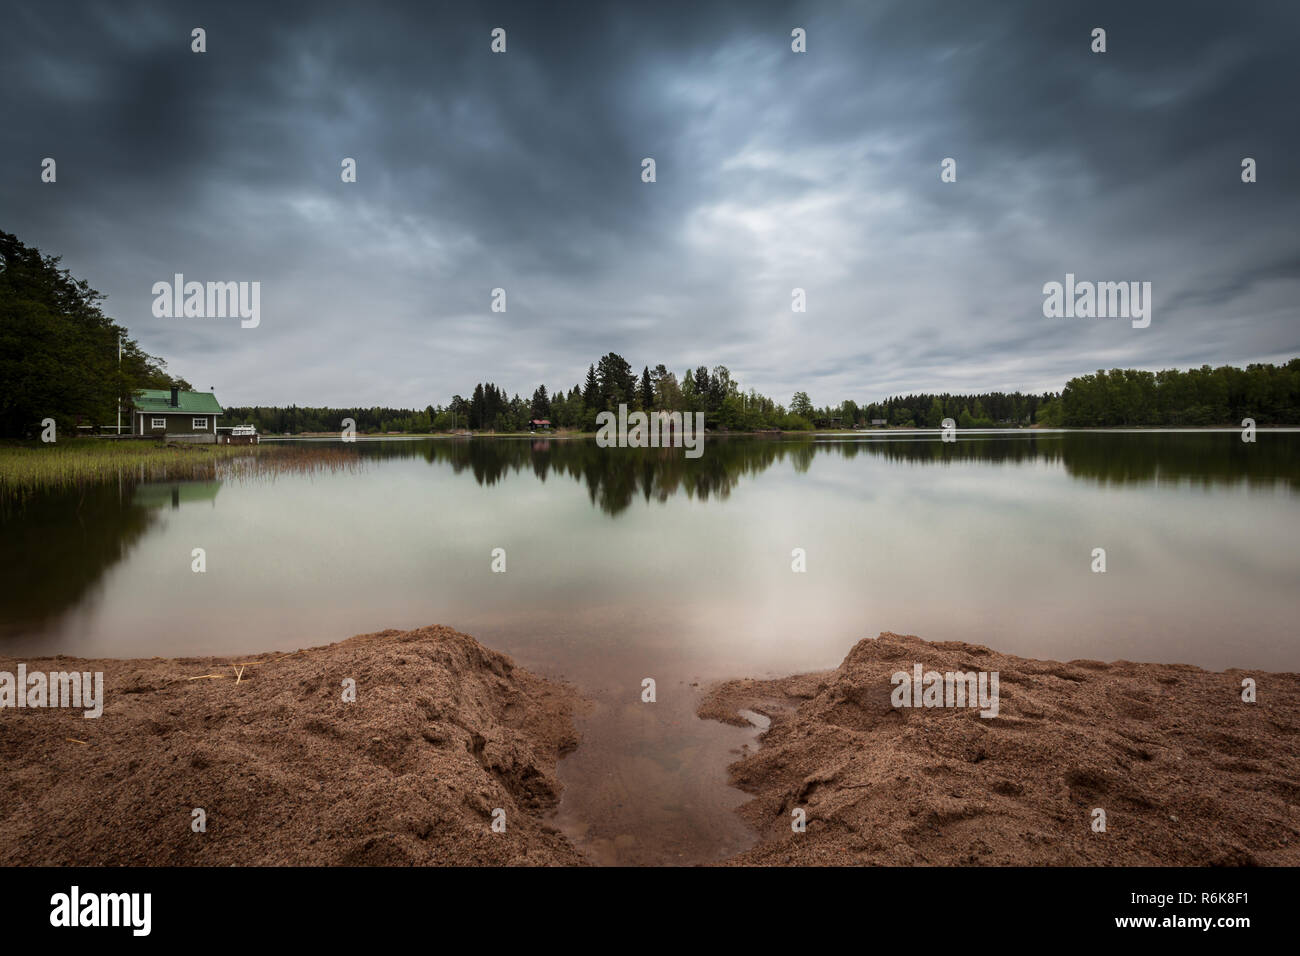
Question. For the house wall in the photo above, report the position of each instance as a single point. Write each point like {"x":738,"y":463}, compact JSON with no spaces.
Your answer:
{"x":178,"y":423}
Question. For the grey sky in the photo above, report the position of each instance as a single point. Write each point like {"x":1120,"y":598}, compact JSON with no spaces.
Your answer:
{"x":775,"y":170}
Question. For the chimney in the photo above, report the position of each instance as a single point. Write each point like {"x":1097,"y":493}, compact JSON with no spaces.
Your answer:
{"x":176,"y":396}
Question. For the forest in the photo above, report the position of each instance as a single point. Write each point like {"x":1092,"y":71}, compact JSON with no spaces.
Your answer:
{"x":612,"y":381}
{"x":1270,"y":394}
{"x":58,"y":351}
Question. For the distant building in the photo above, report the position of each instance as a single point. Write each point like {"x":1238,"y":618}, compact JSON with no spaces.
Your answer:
{"x":543,"y":423}
{"x":173,"y":413}
{"x":878,"y":422}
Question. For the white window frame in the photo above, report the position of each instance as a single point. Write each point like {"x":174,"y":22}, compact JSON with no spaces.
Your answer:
{"x":198,"y":422}
{"x":158,"y":423}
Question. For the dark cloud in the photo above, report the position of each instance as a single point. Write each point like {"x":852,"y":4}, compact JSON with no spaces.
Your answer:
{"x":774,"y":171}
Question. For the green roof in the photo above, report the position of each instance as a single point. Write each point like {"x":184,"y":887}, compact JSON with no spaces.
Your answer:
{"x":160,"y":400}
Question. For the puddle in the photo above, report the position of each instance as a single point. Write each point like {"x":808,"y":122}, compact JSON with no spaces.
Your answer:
{"x":648,"y":784}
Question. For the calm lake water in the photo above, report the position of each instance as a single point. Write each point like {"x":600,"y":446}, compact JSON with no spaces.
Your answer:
{"x":624,"y":564}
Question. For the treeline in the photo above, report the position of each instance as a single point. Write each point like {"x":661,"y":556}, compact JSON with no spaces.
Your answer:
{"x":726,"y":406}
{"x":1270,"y":394}
{"x":926,"y":410}
{"x":295,"y":419}
{"x":59,"y":352}
{"x":611,"y":382}
{"x":1122,"y":397}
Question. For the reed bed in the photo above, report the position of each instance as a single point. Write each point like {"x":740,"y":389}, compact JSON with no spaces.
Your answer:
{"x":27,"y":469}
{"x":296,"y":460}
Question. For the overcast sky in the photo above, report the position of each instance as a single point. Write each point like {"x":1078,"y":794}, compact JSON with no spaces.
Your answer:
{"x":775,"y":170}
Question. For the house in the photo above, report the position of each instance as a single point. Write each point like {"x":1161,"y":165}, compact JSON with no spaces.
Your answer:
{"x":878,"y":423}
{"x":542,"y":423}
{"x":172,"y":413}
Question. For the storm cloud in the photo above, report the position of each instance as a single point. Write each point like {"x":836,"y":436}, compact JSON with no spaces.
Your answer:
{"x":775,"y":170}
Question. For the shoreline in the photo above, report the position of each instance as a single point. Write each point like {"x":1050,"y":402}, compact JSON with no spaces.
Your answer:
{"x":444,"y":732}
{"x":809,"y":432}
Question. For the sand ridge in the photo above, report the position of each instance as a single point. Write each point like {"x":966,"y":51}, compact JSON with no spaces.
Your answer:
{"x":1187,"y":773}
{"x":442,"y":733}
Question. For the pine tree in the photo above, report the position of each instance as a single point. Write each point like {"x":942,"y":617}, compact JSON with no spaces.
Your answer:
{"x":541,"y":407}
{"x":702,"y":387}
{"x":476,"y":408}
{"x":618,"y":384}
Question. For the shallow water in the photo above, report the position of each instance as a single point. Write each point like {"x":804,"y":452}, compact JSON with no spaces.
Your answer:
{"x":627,"y":564}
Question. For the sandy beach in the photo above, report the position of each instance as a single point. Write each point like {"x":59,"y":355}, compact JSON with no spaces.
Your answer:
{"x":443,"y":732}
{"x":1186,"y":772}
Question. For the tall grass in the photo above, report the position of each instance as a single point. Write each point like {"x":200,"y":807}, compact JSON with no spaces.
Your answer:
{"x":29,"y":468}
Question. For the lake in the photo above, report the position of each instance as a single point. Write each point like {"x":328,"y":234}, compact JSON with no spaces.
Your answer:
{"x":623,"y":564}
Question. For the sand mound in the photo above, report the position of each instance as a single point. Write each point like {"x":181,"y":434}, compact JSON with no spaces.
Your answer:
{"x":443,"y":731}
{"x":1186,"y":772}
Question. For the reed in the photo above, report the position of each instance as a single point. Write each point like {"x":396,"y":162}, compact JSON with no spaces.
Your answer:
{"x":30,"y":468}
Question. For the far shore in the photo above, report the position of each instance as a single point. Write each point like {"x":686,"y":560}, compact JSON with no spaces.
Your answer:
{"x":808,"y":432}
{"x":446,"y":737}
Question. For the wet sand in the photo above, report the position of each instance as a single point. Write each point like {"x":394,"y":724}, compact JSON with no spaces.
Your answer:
{"x":1187,"y":773}
{"x":445,"y":731}
{"x":442,"y":733}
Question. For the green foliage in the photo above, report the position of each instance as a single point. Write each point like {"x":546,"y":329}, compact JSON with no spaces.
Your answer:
{"x":934,"y":418}
{"x":1270,"y":394}
{"x":985,"y":410}
{"x":1051,"y":415}
{"x":647,"y":396}
{"x":1203,"y":396}
{"x":59,"y":352}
